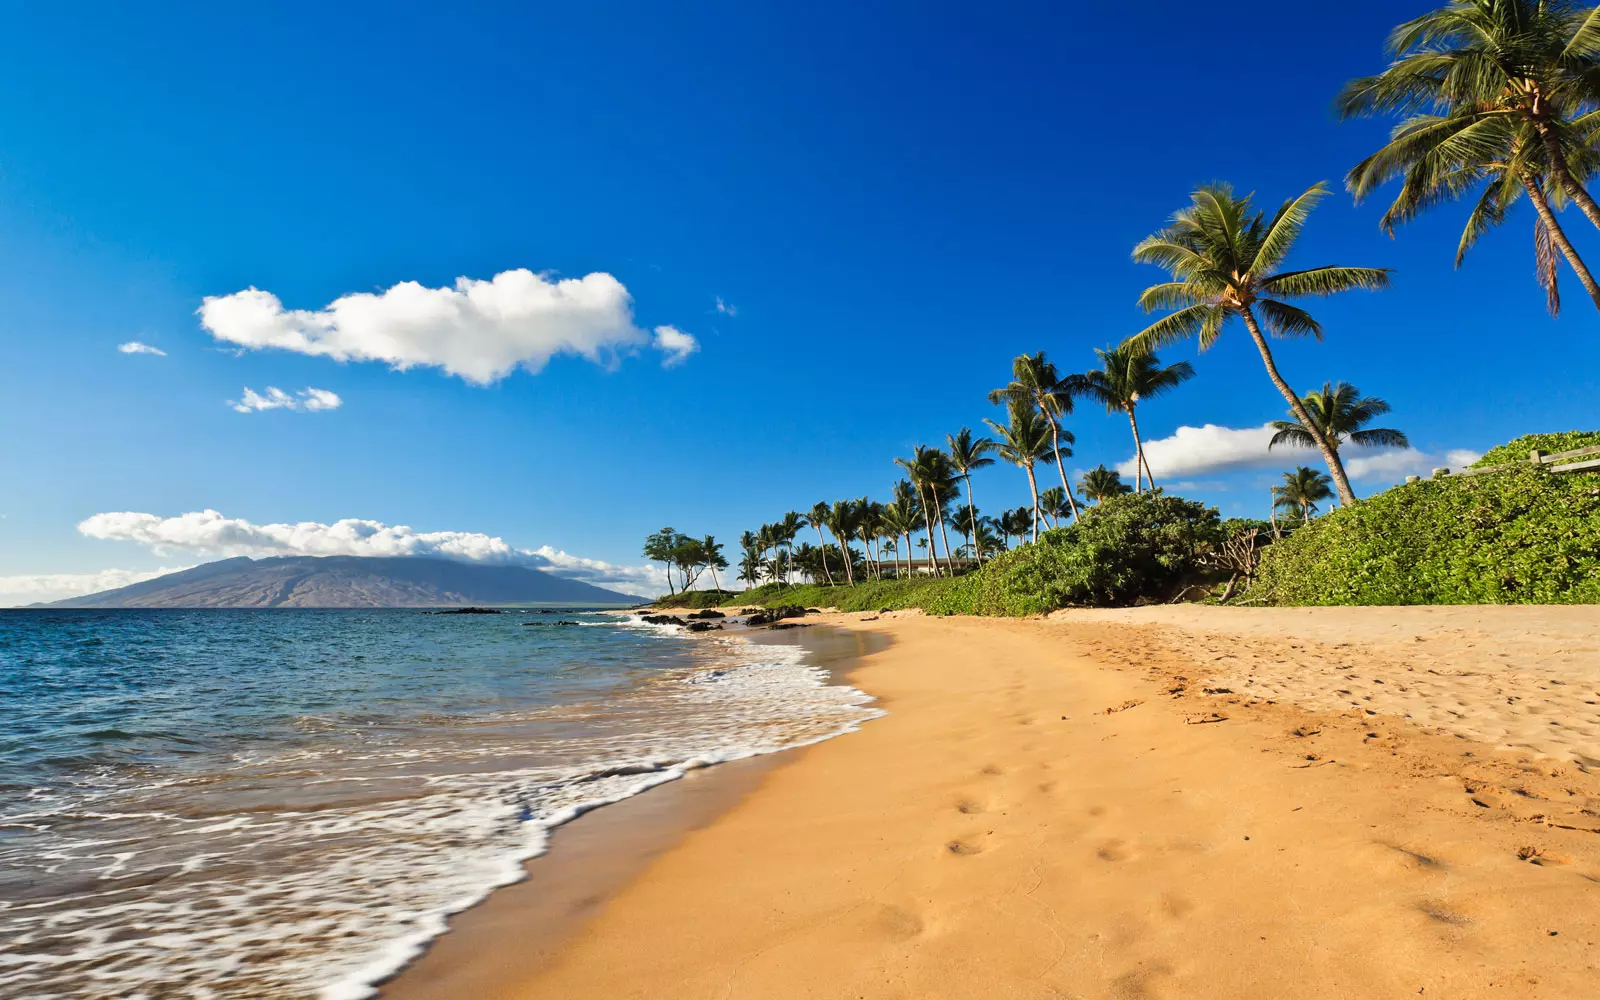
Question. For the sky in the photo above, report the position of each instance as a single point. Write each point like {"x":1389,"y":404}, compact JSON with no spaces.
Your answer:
{"x":521,"y":281}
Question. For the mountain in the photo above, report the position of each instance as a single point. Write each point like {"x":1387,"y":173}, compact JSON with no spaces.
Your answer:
{"x":348,"y":582}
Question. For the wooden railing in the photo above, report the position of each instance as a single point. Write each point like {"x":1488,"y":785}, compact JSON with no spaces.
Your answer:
{"x":1576,"y":460}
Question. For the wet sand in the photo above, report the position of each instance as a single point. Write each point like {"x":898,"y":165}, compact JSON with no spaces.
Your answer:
{"x":1188,"y":802}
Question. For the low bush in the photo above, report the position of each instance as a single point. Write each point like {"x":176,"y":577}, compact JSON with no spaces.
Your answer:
{"x":1519,"y":536}
{"x":1517,"y":451}
{"x":699,"y":599}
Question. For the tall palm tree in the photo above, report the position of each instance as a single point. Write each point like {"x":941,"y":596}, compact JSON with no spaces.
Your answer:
{"x":966,"y":454}
{"x":787,"y":528}
{"x":1127,"y":375}
{"x":1301,"y":491}
{"x":817,"y":516}
{"x":841,"y":519}
{"x":711,"y":552}
{"x":1100,"y":484}
{"x":1223,"y":255}
{"x":1035,"y":381}
{"x":1341,"y":413}
{"x":927,"y":471}
{"x":1443,"y":157}
{"x":1532,"y":63}
{"x":1025,"y":440}
{"x":899,"y":521}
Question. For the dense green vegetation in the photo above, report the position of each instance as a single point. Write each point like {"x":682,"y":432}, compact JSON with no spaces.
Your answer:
{"x":1517,"y":451}
{"x":1521,"y":536}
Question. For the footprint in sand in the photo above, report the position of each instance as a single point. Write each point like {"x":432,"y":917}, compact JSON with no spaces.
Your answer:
{"x":968,"y":807}
{"x":1114,"y":850}
{"x":898,"y":923}
{"x":991,"y":770}
{"x":963,"y":848}
{"x":1443,"y":914}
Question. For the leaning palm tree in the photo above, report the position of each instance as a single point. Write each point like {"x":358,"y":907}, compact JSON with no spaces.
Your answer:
{"x":1443,"y":157}
{"x":1223,"y":256}
{"x":817,"y":517}
{"x":1100,"y":484}
{"x":1127,"y":375}
{"x":966,"y":454}
{"x":1025,"y":440}
{"x":1341,"y":413}
{"x":1301,"y":491}
{"x":1053,"y":504}
{"x":1035,"y":382}
{"x":1534,"y":64}
{"x":899,"y":521}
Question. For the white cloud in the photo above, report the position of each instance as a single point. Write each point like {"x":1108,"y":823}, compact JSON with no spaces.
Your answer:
{"x":1211,"y":448}
{"x":135,"y":347}
{"x":209,"y":533}
{"x":1394,"y":465}
{"x":478,"y":330}
{"x":47,"y":587}
{"x":726,"y":308}
{"x":307,"y":400}
{"x":675,"y":344}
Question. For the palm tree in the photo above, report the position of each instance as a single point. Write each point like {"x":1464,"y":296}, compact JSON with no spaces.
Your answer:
{"x":1301,"y":491}
{"x":1053,"y":503}
{"x":899,"y":522}
{"x":788,"y":527}
{"x":817,"y":516}
{"x":926,"y":469}
{"x":1126,"y":375}
{"x":1100,"y":484}
{"x":841,"y":519}
{"x":1035,"y":381}
{"x":966,"y":454}
{"x":1223,"y":255}
{"x":1442,"y":157}
{"x":711,"y":555}
{"x":1341,"y":412}
{"x":1025,"y":441}
{"x":1016,"y":522}
{"x":1534,"y":64}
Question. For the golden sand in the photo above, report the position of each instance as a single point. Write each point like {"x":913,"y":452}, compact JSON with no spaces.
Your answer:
{"x":1190,"y":802}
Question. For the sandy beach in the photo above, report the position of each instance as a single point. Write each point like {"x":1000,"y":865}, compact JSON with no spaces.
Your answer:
{"x":1163,"y":802}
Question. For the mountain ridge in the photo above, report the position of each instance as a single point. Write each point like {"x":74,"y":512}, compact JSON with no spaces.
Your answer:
{"x":348,"y":582}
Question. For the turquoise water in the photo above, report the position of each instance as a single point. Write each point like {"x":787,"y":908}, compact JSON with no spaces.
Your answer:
{"x":288,"y":803}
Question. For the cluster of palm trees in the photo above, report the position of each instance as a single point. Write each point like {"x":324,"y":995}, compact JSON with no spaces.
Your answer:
{"x":1499,"y":97}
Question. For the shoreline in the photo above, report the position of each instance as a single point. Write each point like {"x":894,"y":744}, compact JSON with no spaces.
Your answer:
{"x":1061,"y":808}
{"x":515,"y":930}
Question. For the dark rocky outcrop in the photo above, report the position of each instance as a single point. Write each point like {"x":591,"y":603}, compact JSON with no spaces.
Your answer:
{"x":705,"y":626}
{"x":466,"y":611}
{"x":663,"y":620}
{"x":771,"y":615}
{"x":708,"y":613}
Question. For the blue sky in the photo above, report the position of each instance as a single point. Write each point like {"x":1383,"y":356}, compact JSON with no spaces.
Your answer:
{"x":893,"y":199}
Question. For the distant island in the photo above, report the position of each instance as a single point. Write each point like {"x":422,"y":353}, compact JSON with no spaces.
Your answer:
{"x":349,"y":582}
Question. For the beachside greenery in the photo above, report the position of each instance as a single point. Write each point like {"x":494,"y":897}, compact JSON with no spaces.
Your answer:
{"x":1519,"y":536}
{"x":1517,"y":451}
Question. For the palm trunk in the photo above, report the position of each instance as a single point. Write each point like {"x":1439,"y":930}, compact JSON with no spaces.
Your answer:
{"x":1331,"y":457}
{"x":824,"y":543}
{"x":927,"y":518}
{"x":1138,"y":449}
{"x":1055,"y":442}
{"x":977,"y":548}
{"x":1562,"y":175}
{"x":907,"y":536}
{"x":1558,"y":236}
{"x":1033,"y":484}
{"x":714,"y":584}
{"x":949,"y":557}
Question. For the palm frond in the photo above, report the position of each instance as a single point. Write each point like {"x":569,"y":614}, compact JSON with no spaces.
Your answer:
{"x":1329,"y":280}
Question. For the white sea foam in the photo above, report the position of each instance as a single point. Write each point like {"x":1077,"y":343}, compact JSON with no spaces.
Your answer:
{"x":325,"y":898}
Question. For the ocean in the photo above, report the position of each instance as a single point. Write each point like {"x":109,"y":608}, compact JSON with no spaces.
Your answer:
{"x":289,"y":803}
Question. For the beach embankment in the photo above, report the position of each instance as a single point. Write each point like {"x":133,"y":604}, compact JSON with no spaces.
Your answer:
{"x":1164,"y":802}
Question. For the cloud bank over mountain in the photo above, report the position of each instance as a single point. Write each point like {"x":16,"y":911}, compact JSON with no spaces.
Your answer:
{"x":208,"y":533}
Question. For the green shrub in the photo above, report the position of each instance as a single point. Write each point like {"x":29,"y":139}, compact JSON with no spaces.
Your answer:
{"x":1520,"y":536}
{"x":869,"y":595}
{"x":699,"y":599}
{"x":1517,"y":451}
{"x":1131,"y":548}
